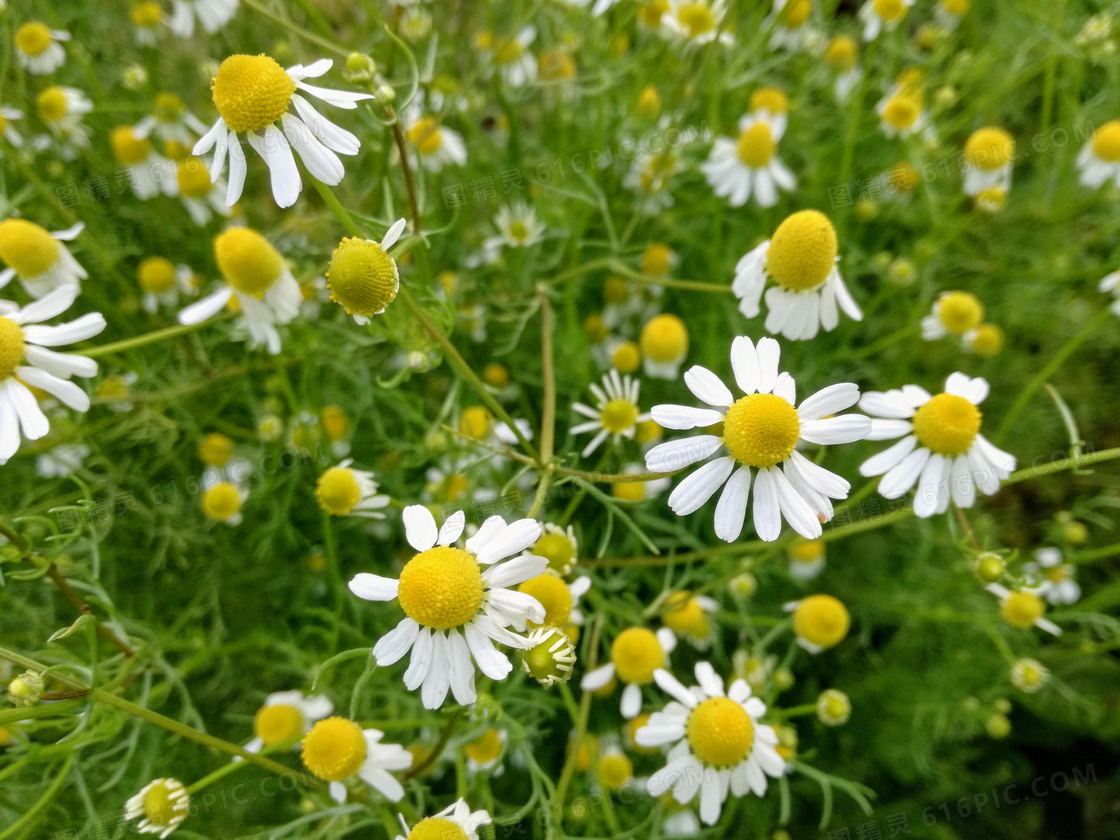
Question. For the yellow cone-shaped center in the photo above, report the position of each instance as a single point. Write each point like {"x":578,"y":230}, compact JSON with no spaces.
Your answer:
{"x":989,"y":148}
{"x":166,"y":803}
{"x":437,"y":828}
{"x":338,"y":491}
{"x":761,"y":430}
{"x":618,"y":416}
{"x":52,"y":104}
{"x":1106,"y":142}
{"x":684,"y":615}
{"x":362,"y":277}
{"x":334,"y":749}
{"x":27,"y":248}
{"x":557,"y":549}
{"x":664,"y":339}
{"x":251,"y":92}
{"x":696,"y":18}
{"x":821,"y":620}
{"x":802,"y":251}
{"x":129,"y":149}
{"x":485,"y":749}
{"x":156,"y":275}
{"x":278,"y":723}
{"x":947,"y":424}
{"x":720,"y":732}
{"x":248,"y":262}
{"x":553,"y":594}
{"x":33,"y":38}
{"x":221,"y":501}
{"x":1022,"y":609}
{"x":891,"y":11}
{"x":636,"y":654}
{"x":756,"y":145}
{"x":193,"y":178}
{"x":960,"y":312}
{"x":441,"y":588}
{"x":11,"y":347}
{"x":425,"y":136}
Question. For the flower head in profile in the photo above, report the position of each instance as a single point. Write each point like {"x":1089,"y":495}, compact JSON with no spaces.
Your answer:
{"x":841,"y":54}
{"x":38,"y":48}
{"x":636,"y":654}
{"x":455,"y":609}
{"x":61,"y":109}
{"x":954,"y":313}
{"x":663,"y":346}
{"x":435,"y":145}
{"x":37,"y":257}
{"x":363,"y":279}
{"x":455,"y":822}
{"x":161,"y":806}
{"x":148,"y":170}
{"x":1023,"y":609}
{"x":287,"y":716}
{"x":878,"y":15}
{"x":253,"y":94}
{"x":819,"y":622}
{"x":989,"y":153}
{"x":1056,"y":582}
{"x":162,"y":282}
{"x":616,"y":413}
{"x":1099,"y":158}
{"x":345,"y":491}
{"x":513,"y":60}
{"x":336,"y":749}
{"x":759,"y":438}
{"x":696,"y":22}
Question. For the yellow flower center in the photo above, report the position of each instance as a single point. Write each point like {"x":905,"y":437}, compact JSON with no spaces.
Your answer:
{"x":425,"y":136}
{"x":221,"y":501}
{"x":336,"y":423}
{"x":175,"y":150}
{"x":215,"y":449}
{"x":989,"y":148}
{"x":636,"y":654}
{"x":761,"y":430}
{"x":147,"y":14}
{"x":33,"y":38}
{"x":1029,"y":674}
{"x":657,"y":259}
{"x":485,"y":749}
{"x":1022,"y":609}
{"x":518,"y":230}
{"x":553,"y":594}
{"x":720,"y":732}
{"x":27,"y":248}
{"x":664,"y":339}
{"x":889,"y":10}
{"x":557,"y":549}
{"x":362,"y":277}
{"x":618,"y":416}
{"x":129,"y":149}
{"x":1057,"y":574}
{"x":802,"y":251}
{"x":649,"y":102}
{"x":629,"y":491}
{"x":338,"y":491}
{"x":278,"y":723}
{"x":1106,"y":142}
{"x":474,"y":422}
{"x":11,"y":347}
{"x":756,"y":145}
{"x":988,"y":340}
{"x":807,"y":552}
{"x":821,"y":620}
{"x":334,"y":749}
{"x":615,"y":770}
{"x":156,"y":275}
{"x":166,"y":802}
{"x":511,"y":51}
{"x":957,"y":8}
{"x":557,"y":65}
{"x":441,"y":588}
{"x":684,"y":615}
{"x":947,"y":424}
{"x":248,"y":262}
{"x":113,"y":388}
{"x":168,"y":106}
{"x":902,"y":111}
{"x":652,"y":11}
{"x":769,"y":99}
{"x":697,"y":18}
{"x":496,"y":375}
{"x":626,"y":357}
{"x":796,"y":12}
{"x":52,"y":104}
{"x":437,"y":828}
{"x":841,"y":53}
{"x":193,"y":177}
{"x":251,"y":92}
{"x":960,"y":312}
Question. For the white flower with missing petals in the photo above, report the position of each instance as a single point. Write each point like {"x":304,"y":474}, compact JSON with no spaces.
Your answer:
{"x":38,"y":48}
{"x":454,"y":608}
{"x":35,"y":256}
{"x":455,"y":822}
{"x":760,"y":431}
{"x":286,"y":716}
{"x":1056,"y":582}
{"x":636,"y":654}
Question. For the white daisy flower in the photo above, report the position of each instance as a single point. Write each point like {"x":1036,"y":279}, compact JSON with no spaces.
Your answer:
{"x":455,"y":822}
{"x":252,"y":93}
{"x":1023,"y":609}
{"x":1110,"y":283}
{"x":954,"y":313}
{"x":790,"y":20}
{"x":1056,"y":583}
{"x":223,"y":500}
{"x":820,"y":622}
{"x":636,"y":654}
{"x":39,"y":49}
{"x":35,"y":256}
{"x":761,"y":431}
{"x":516,"y":64}
{"x":806,"y":560}
{"x":696,"y":21}
{"x":902,"y":114}
{"x":65,"y":459}
{"x":455,"y":610}
{"x":147,"y":17}
{"x":161,"y":806}
{"x":436,"y":146}
{"x":258,"y":277}
{"x":689,"y":615}
{"x":517,"y":228}
{"x":663,"y":344}
{"x":286,"y":716}
{"x":720,"y":745}
{"x":201,"y":196}
{"x":1099,"y":159}
{"x":878,"y":15}
{"x":941,"y":451}
{"x":149,"y":173}
{"x":172,"y":122}
{"x":344,"y":491}
{"x":801,"y":259}
{"x":990,"y":152}
{"x":484,"y":752}
{"x":7,"y":130}
{"x":212,"y":14}
{"x":25,"y":360}
{"x":841,"y":54}
{"x":735,"y":168}
{"x":948,"y":13}
{"x":649,"y":175}
{"x":61,"y":109}
{"x":162,"y":282}
{"x":616,"y":411}
{"x":336,"y":750}
{"x":363,"y":279}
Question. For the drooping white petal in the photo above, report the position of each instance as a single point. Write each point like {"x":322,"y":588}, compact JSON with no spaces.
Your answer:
{"x":830,"y":400}
{"x":515,"y":537}
{"x":744,"y":363}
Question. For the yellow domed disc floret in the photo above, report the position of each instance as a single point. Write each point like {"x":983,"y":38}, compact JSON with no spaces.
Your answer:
{"x":683,"y":614}
{"x":362,"y":277}
{"x":474,"y":422}
{"x":618,"y":416}
{"x":889,"y":10}
{"x":960,"y":312}
{"x":761,"y":430}
{"x":636,"y":654}
{"x":147,"y":14}
{"x":166,"y":803}
{"x":247,"y":260}
{"x":902,"y":111}
{"x":989,"y":148}
{"x":664,"y":338}
{"x":485,"y":749}
{"x":821,"y":620}
{"x":1022,"y":609}
{"x":947,"y":424}
{"x":27,"y":248}
{"x":720,"y":732}
{"x":215,"y":449}
{"x":11,"y":347}
{"x":33,"y":38}
{"x":657,"y":259}
{"x":769,"y":99}
{"x":338,"y":491}
{"x":1106,"y":142}
{"x":796,"y":12}
{"x":251,"y":92}
{"x":553,"y":594}
{"x":221,"y":501}
{"x":334,"y":749}
{"x":615,"y":770}
{"x":557,"y":549}
{"x":756,"y":145}
{"x":802,"y":251}
{"x":52,"y":104}
{"x":441,"y":588}
{"x":841,"y":53}
{"x":425,"y":136}
{"x":193,"y":178}
{"x":278,"y":723}
{"x":156,"y":275}
{"x":697,"y":18}
{"x":437,"y":828}
{"x":129,"y":149}
{"x":626,"y":357}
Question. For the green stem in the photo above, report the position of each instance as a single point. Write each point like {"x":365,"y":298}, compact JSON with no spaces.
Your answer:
{"x":548,"y":411}
{"x":151,"y":337}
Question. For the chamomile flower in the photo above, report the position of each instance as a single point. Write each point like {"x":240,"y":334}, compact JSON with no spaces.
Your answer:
{"x":1023,"y":609}
{"x":161,"y":806}
{"x":336,"y":749}
{"x":484,"y":752}
{"x":800,"y":258}
{"x":954,"y":313}
{"x":878,"y":15}
{"x":1099,"y":159}
{"x":736,"y":168}
{"x":696,"y":22}
{"x":760,"y":432}
{"x":171,"y":121}
{"x":362,"y":277}
{"x":8,"y":131}
{"x":559,"y":546}
{"x":455,"y":610}
{"x":39,"y":48}
{"x":258,"y":278}
{"x":989,"y":153}
{"x":792,"y":30}
{"x":985,"y":340}
{"x":941,"y":451}
{"x":649,"y":176}
{"x":636,"y":653}
{"x":614,"y":770}
{"x":549,"y":656}
{"x":345,"y":491}
{"x":513,"y":60}
{"x":201,"y":196}
{"x":147,"y":17}
{"x":1056,"y":583}
{"x":1029,"y":675}
{"x":663,"y":345}
{"x":252,"y":94}
{"x":819,"y":622}
{"x":689,"y":616}
{"x":616,"y":413}
{"x":771,"y":104}
{"x":222,"y":502}
{"x":517,"y":228}
{"x":455,"y":822}
{"x":842,"y":57}
{"x":638,"y":491}
{"x":833,"y":707}
{"x":720,"y":745}
{"x":435,"y":145}
{"x":61,"y":109}
{"x":902,"y":113}
{"x":61,"y":461}
{"x":559,"y":599}
{"x":147,"y":170}
{"x":949,"y":13}
{"x":26,"y":362}
{"x":287,"y":716}
{"x":162,"y":282}
{"x":1110,"y":283}
{"x":35,"y":256}
{"x":806,"y":560}
{"x":212,"y":14}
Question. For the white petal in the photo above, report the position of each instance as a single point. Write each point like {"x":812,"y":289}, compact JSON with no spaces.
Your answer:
{"x":927,"y":499}
{"x":683,"y":417}
{"x":744,"y":363}
{"x":493,"y":664}
{"x":767,"y":512}
{"x":708,"y":679}
{"x":238,"y":169}
{"x":891,"y":404}
{"x":631,"y":701}
{"x":419,"y":527}
{"x":373,"y":587}
{"x":392,"y":647}
{"x":695,"y":490}
{"x":69,"y":393}
{"x":206,"y":308}
{"x":31,"y":418}
{"x":283,"y":172}
{"x":786,"y":388}
{"x":486,"y":532}
{"x":768,"y":355}
{"x":320,"y":161}
{"x":901,"y":478}
{"x":452,"y":528}
{"x":731,"y":510}
{"x":80,"y":329}
{"x":888,"y":429}
{"x":889,"y":458}
{"x":597,"y":679}
{"x":392,"y":234}
{"x":960,"y":482}
{"x":798,"y":512}
{"x":48,"y":306}
{"x":515,"y":537}
{"x":674,"y":688}
{"x":830,"y":400}
{"x":461,"y":669}
{"x":707,"y":387}
{"x":674,"y":455}
{"x":434,"y":690}
{"x":420,"y":661}
{"x":846,"y":428}
{"x":515,"y":570}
